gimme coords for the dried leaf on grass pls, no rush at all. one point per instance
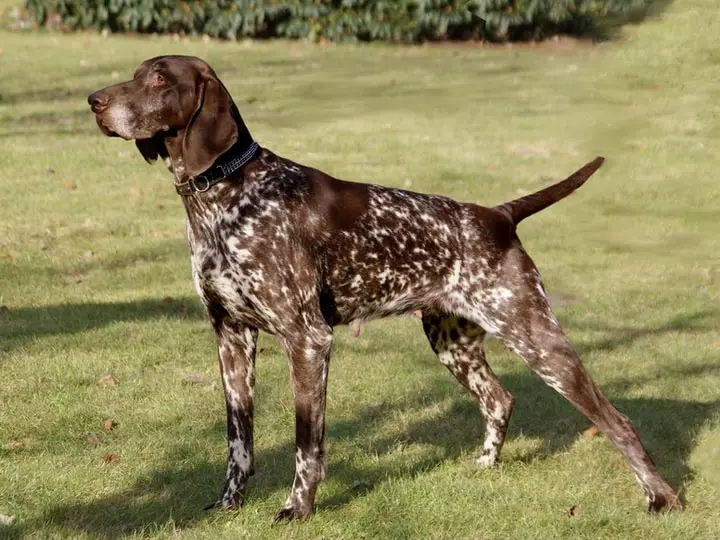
(355, 327)
(591, 432)
(574, 511)
(6, 520)
(529, 150)
(194, 379)
(109, 424)
(110, 458)
(107, 380)
(13, 445)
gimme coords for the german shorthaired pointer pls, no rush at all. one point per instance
(284, 248)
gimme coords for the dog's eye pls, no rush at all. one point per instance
(157, 80)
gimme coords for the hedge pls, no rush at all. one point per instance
(338, 20)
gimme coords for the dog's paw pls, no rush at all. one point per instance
(664, 501)
(228, 501)
(485, 462)
(290, 513)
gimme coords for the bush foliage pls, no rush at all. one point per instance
(338, 20)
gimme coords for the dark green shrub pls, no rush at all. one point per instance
(338, 20)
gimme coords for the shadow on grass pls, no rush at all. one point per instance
(21, 324)
(175, 494)
(619, 337)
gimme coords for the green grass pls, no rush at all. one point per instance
(95, 280)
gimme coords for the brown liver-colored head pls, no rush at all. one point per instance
(173, 105)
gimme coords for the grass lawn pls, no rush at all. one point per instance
(95, 281)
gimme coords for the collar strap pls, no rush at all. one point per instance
(223, 167)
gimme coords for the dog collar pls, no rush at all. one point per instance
(223, 167)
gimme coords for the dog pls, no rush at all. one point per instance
(287, 249)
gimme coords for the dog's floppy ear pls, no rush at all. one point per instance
(212, 130)
(152, 148)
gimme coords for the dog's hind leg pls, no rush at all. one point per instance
(518, 311)
(459, 346)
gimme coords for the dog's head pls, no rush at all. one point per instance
(173, 105)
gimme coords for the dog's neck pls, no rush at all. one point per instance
(175, 161)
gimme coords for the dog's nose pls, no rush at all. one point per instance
(98, 101)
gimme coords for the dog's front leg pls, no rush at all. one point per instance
(308, 351)
(236, 351)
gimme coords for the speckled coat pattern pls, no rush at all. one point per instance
(289, 250)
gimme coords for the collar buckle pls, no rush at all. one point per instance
(200, 184)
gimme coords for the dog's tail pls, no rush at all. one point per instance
(523, 207)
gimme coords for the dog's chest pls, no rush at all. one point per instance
(234, 261)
